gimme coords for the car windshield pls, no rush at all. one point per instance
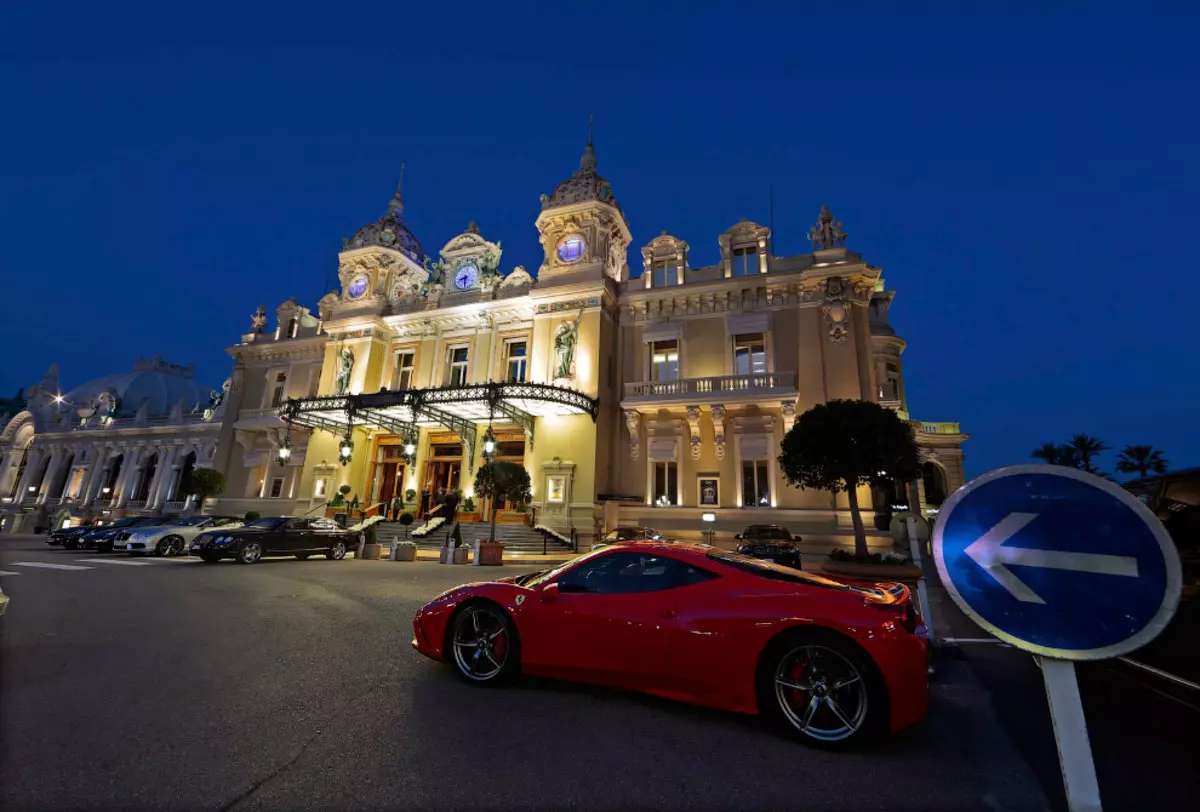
(151, 521)
(190, 521)
(549, 575)
(766, 533)
(266, 524)
(769, 569)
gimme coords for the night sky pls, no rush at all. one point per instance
(1027, 182)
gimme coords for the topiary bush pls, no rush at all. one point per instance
(251, 516)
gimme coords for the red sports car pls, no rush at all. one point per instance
(836, 661)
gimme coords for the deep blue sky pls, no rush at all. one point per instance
(1027, 182)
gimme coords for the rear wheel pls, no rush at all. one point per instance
(486, 650)
(169, 546)
(337, 552)
(823, 688)
(250, 553)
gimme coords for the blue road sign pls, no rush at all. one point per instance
(1057, 562)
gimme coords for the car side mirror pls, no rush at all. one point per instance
(550, 593)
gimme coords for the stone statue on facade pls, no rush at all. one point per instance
(345, 367)
(258, 322)
(564, 347)
(826, 233)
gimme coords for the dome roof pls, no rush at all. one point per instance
(585, 185)
(389, 231)
(161, 384)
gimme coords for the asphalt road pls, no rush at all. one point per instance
(292, 685)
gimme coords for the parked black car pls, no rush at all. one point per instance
(301, 536)
(101, 539)
(771, 542)
(61, 535)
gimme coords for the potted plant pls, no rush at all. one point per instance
(204, 482)
(405, 520)
(404, 550)
(251, 516)
(469, 512)
(886, 566)
(372, 549)
(499, 481)
(339, 501)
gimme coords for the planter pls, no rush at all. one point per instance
(403, 552)
(512, 517)
(453, 555)
(372, 552)
(873, 572)
(469, 518)
(460, 555)
(491, 554)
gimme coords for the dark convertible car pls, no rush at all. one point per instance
(301, 536)
(770, 542)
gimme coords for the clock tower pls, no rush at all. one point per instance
(582, 228)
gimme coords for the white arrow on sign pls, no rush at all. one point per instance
(987, 552)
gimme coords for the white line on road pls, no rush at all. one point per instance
(6, 572)
(116, 561)
(41, 565)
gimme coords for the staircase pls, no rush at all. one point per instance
(517, 538)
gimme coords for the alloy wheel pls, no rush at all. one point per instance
(821, 693)
(481, 644)
(338, 551)
(252, 552)
(174, 546)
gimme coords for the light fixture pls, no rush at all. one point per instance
(489, 445)
(708, 517)
(347, 448)
(59, 398)
(284, 452)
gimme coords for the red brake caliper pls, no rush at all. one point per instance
(797, 674)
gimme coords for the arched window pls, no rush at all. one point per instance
(935, 484)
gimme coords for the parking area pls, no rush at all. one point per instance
(291, 685)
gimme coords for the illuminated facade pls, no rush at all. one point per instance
(648, 399)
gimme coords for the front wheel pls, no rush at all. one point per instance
(485, 646)
(171, 545)
(824, 689)
(251, 553)
(337, 552)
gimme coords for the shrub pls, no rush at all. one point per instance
(839, 554)
(252, 515)
(406, 519)
(469, 505)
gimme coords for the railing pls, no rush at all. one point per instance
(175, 505)
(135, 504)
(939, 428)
(728, 384)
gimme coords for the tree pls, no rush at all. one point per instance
(205, 482)
(506, 481)
(1085, 449)
(1053, 454)
(1142, 460)
(843, 444)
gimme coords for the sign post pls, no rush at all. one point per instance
(1067, 566)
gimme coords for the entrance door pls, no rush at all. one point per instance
(388, 477)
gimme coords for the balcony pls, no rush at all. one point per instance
(939, 428)
(136, 504)
(716, 389)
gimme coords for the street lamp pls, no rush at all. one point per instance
(489, 445)
(489, 452)
(410, 446)
(347, 448)
(284, 453)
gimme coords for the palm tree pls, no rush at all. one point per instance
(1049, 453)
(1142, 460)
(1085, 448)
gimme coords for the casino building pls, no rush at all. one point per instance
(649, 395)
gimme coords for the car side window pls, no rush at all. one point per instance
(296, 524)
(324, 524)
(626, 574)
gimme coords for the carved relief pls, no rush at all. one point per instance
(717, 412)
(632, 423)
(836, 309)
(787, 410)
(693, 419)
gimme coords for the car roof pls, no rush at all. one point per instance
(766, 527)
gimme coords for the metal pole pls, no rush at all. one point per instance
(1071, 736)
(914, 545)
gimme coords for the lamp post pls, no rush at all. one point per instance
(489, 453)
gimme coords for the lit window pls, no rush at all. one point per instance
(664, 361)
(666, 483)
(402, 370)
(745, 261)
(456, 360)
(571, 249)
(756, 484)
(749, 354)
(516, 360)
(278, 394)
(276, 487)
(665, 273)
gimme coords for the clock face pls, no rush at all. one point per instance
(466, 277)
(357, 287)
(387, 236)
(571, 249)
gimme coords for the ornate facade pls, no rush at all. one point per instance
(651, 400)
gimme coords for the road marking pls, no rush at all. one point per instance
(41, 565)
(115, 561)
(987, 552)
(6, 572)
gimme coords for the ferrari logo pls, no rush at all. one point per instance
(520, 599)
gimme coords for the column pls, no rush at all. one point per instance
(132, 465)
(96, 481)
(57, 457)
(161, 476)
(32, 467)
(6, 469)
(119, 483)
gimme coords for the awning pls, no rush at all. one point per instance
(459, 408)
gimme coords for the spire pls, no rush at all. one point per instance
(587, 164)
(396, 204)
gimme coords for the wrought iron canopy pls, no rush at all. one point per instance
(459, 408)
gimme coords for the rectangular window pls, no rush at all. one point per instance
(664, 361)
(666, 483)
(745, 261)
(756, 485)
(515, 352)
(749, 354)
(276, 487)
(277, 396)
(456, 366)
(321, 487)
(665, 273)
(402, 369)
